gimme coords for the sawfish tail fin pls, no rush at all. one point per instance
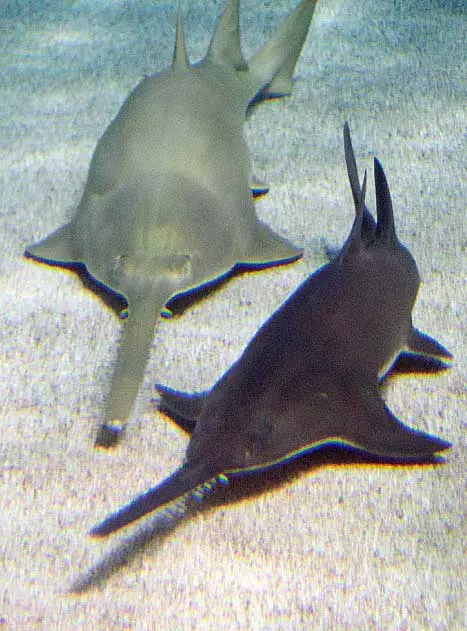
(271, 70)
(368, 223)
(354, 240)
(269, 73)
(187, 482)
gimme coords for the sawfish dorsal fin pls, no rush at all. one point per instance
(385, 228)
(180, 60)
(225, 45)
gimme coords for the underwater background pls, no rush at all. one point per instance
(330, 542)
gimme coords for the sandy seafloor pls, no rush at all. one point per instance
(322, 546)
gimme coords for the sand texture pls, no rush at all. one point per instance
(327, 543)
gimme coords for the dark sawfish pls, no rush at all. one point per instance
(311, 375)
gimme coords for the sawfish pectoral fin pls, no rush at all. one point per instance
(393, 439)
(268, 248)
(185, 409)
(58, 248)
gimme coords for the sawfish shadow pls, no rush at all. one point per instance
(151, 534)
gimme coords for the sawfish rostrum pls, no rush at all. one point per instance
(311, 375)
(167, 205)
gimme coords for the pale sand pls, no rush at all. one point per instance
(333, 547)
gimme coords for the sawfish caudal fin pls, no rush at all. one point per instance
(186, 482)
(59, 247)
(268, 247)
(138, 333)
(368, 223)
(355, 240)
(271, 69)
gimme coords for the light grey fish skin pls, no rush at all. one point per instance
(167, 205)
